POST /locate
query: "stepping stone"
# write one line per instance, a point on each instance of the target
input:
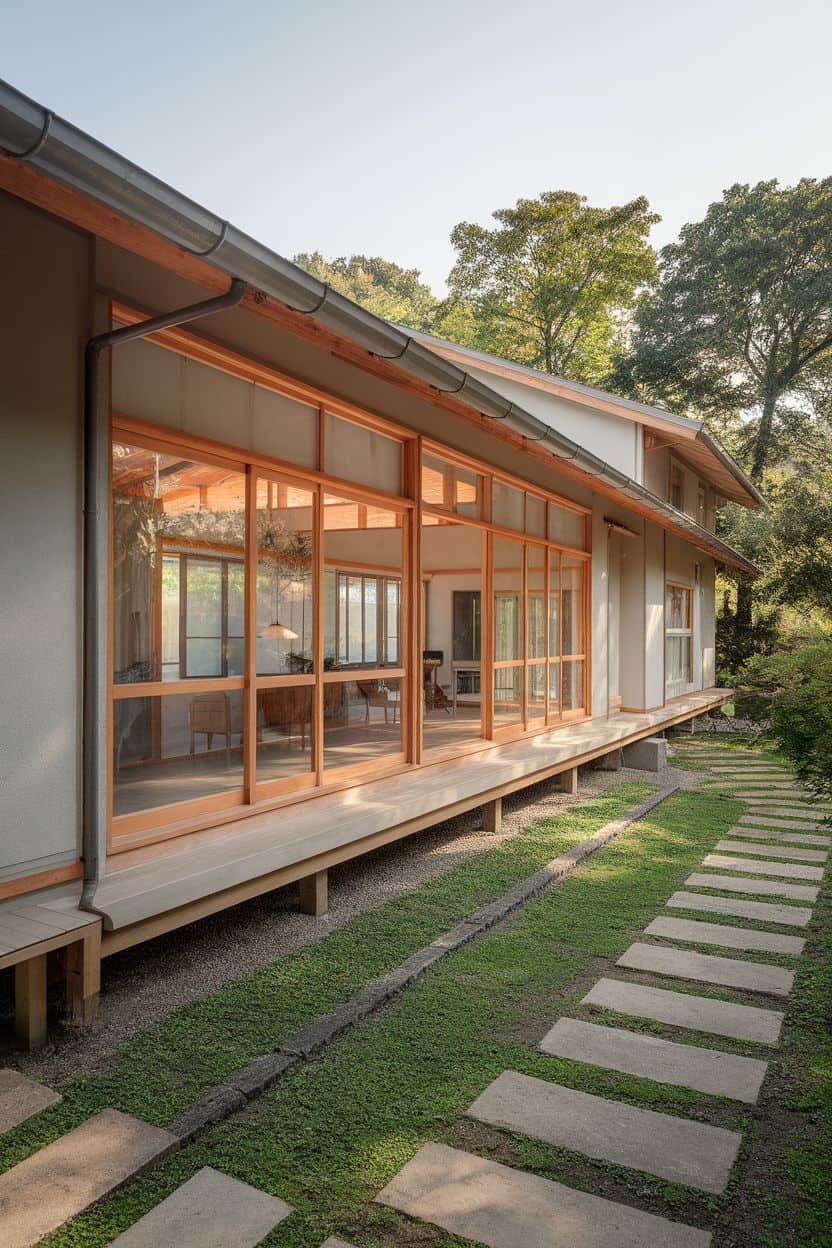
(759, 866)
(771, 793)
(751, 769)
(787, 812)
(671, 1148)
(664, 1061)
(47, 1189)
(211, 1210)
(764, 820)
(772, 834)
(767, 888)
(722, 934)
(773, 851)
(766, 912)
(501, 1207)
(708, 969)
(21, 1098)
(680, 1009)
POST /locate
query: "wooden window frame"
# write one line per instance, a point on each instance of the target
(688, 631)
(159, 823)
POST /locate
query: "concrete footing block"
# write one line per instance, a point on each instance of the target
(649, 754)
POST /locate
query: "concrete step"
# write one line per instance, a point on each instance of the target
(664, 1061)
(681, 1009)
(767, 888)
(22, 1098)
(764, 911)
(671, 1148)
(708, 969)
(698, 933)
(500, 1207)
(758, 866)
(62, 1180)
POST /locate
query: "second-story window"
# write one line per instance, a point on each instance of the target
(702, 506)
(677, 487)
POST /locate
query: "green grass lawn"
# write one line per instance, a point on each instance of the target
(335, 1130)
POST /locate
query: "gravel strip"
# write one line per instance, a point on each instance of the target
(150, 981)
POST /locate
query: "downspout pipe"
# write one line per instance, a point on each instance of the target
(95, 542)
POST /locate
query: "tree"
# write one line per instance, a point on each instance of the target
(551, 285)
(742, 314)
(380, 286)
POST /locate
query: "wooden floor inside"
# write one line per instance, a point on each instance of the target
(255, 854)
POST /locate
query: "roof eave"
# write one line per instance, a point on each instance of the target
(30, 133)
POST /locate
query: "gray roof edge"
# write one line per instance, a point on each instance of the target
(644, 409)
(30, 132)
(525, 370)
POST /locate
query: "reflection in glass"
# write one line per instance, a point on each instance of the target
(451, 487)
(284, 579)
(177, 747)
(362, 585)
(362, 721)
(508, 695)
(572, 685)
(572, 605)
(284, 732)
(536, 691)
(178, 567)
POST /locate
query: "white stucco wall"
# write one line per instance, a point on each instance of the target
(44, 311)
(612, 438)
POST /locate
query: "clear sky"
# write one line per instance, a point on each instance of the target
(369, 127)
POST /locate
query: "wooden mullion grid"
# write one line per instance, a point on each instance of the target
(250, 649)
(318, 628)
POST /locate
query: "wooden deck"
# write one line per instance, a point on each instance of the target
(256, 854)
(33, 926)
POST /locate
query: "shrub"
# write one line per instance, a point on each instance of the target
(799, 686)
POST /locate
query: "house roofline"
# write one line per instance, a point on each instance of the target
(31, 133)
(660, 418)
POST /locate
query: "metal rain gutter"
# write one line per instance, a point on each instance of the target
(58, 149)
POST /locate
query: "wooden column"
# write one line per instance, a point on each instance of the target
(30, 1002)
(82, 964)
(314, 894)
(492, 815)
(569, 781)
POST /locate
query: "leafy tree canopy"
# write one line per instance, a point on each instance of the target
(380, 286)
(741, 320)
(550, 286)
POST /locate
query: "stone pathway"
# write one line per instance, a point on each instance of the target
(502, 1207)
(473, 1196)
(21, 1098)
(211, 1210)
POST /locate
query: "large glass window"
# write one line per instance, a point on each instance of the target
(285, 525)
(176, 748)
(509, 633)
(573, 643)
(178, 567)
(678, 639)
(363, 551)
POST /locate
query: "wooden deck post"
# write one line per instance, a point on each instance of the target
(314, 894)
(82, 966)
(30, 1002)
(569, 781)
(492, 815)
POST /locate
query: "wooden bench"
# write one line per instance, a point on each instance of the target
(28, 933)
